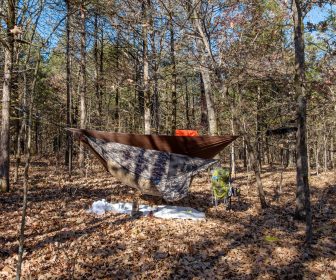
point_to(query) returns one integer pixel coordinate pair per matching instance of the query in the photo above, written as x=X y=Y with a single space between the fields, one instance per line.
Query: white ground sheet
x=162 y=211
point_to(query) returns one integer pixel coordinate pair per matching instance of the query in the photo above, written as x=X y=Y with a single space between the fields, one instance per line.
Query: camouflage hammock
x=151 y=171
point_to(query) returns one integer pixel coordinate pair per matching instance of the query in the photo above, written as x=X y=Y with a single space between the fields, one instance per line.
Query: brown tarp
x=194 y=146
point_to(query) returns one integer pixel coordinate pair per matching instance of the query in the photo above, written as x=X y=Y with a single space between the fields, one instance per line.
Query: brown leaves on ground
x=63 y=241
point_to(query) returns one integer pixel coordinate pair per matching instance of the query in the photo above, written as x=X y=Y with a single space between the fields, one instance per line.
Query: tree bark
x=101 y=70
x=303 y=208
x=155 y=103
x=258 y=129
x=174 y=77
x=68 y=152
x=251 y=152
x=256 y=169
x=146 y=89
x=232 y=153
x=213 y=129
x=6 y=95
x=204 y=112
x=204 y=49
x=187 y=103
x=82 y=81
x=116 y=108
x=96 y=69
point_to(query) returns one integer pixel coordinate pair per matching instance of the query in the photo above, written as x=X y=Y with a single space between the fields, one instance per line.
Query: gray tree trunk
x=204 y=49
x=68 y=152
x=187 y=103
x=213 y=129
x=174 y=77
x=6 y=95
x=82 y=81
x=303 y=208
x=155 y=97
x=146 y=89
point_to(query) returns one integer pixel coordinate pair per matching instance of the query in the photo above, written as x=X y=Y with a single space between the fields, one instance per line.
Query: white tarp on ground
x=162 y=211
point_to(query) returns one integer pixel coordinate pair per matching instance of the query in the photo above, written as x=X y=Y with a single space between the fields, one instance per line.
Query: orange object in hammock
x=181 y=132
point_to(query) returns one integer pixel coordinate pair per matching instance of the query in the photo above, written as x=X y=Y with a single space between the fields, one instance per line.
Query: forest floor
x=64 y=241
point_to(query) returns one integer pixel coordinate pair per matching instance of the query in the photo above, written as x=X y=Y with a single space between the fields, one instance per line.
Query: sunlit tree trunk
x=147 y=111
x=204 y=49
x=174 y=79
x=82 y=79
x=96 y=63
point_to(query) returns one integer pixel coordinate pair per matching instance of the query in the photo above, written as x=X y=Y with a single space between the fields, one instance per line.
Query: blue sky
x=54 y=13
x=318 y=14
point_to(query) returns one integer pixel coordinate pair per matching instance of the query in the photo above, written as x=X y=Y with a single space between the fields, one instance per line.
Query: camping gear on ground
x=161 y=211
x=150 y=163
x=222 y=187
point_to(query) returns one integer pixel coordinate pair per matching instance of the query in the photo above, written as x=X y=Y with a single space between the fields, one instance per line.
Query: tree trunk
x=204 y=50
x=6 y=95
x=303 y=209
x=325 y=152
x=204 y=113
x=26 y=170
x=213 y=130
x=116 y=103
x=101 y=70
x=258 y=130
x=308 y=155
x=256 y=169
x=332 y=153
x=155 y=97
x=174 y=79
x=317 y=164
x=68 y=152
x=233 y=161
x=251 y=152
x=232 y=154
x=146 y=89
x=187 y=104
x=96 y=69
x=82 y=81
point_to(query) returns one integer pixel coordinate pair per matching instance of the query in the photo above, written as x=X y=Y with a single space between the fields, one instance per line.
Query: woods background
x=261 y=69
x=155 y=66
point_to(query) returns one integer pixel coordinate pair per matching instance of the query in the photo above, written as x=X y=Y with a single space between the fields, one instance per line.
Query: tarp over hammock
x=152 y=171
x=194 y=146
